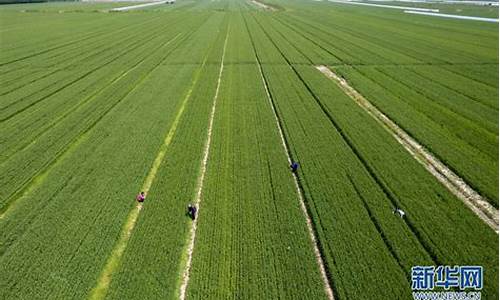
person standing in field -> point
(294, 166)
(192, 211)
(141, 197)
(399, 212)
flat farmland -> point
(208, 103)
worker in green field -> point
(141, 197)
(398, 212)
(294, 166)
(191, 210)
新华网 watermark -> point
(452, 282)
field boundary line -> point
(312, 236)
(310, 225)
(201, 179)
(454, 183)
(317, 253)
(100, 290)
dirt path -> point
(312, 236)
(481, 207)
(101, 289)
(201, 180)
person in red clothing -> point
(140, 198)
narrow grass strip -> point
(101, 289)
(310, 229)
(201, 180)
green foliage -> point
(87, 99)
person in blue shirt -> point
(192, 211)
(294, 166)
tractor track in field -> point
(311, 227)
(388, 194)
(113, 261)
(201, 180)
(447, 177)
(472, 199)
(39, 176)
(453, 182)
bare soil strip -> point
(201, 180)
(262, 5)
(319, 259)
(478, 204)
(100, 291)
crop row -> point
(371, 174)
(97, 177)
(252, 240)
(64, 133)
(460, 115)
(473, 157)
(153, 260)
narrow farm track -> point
(353, 149)
(481, 207)
(447, 177)
(101, 289)
(39, 176)
(300, 195)
(209, 103)
(201, 180)
(465, 138)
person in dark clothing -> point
(192, 211)
(294, 166)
